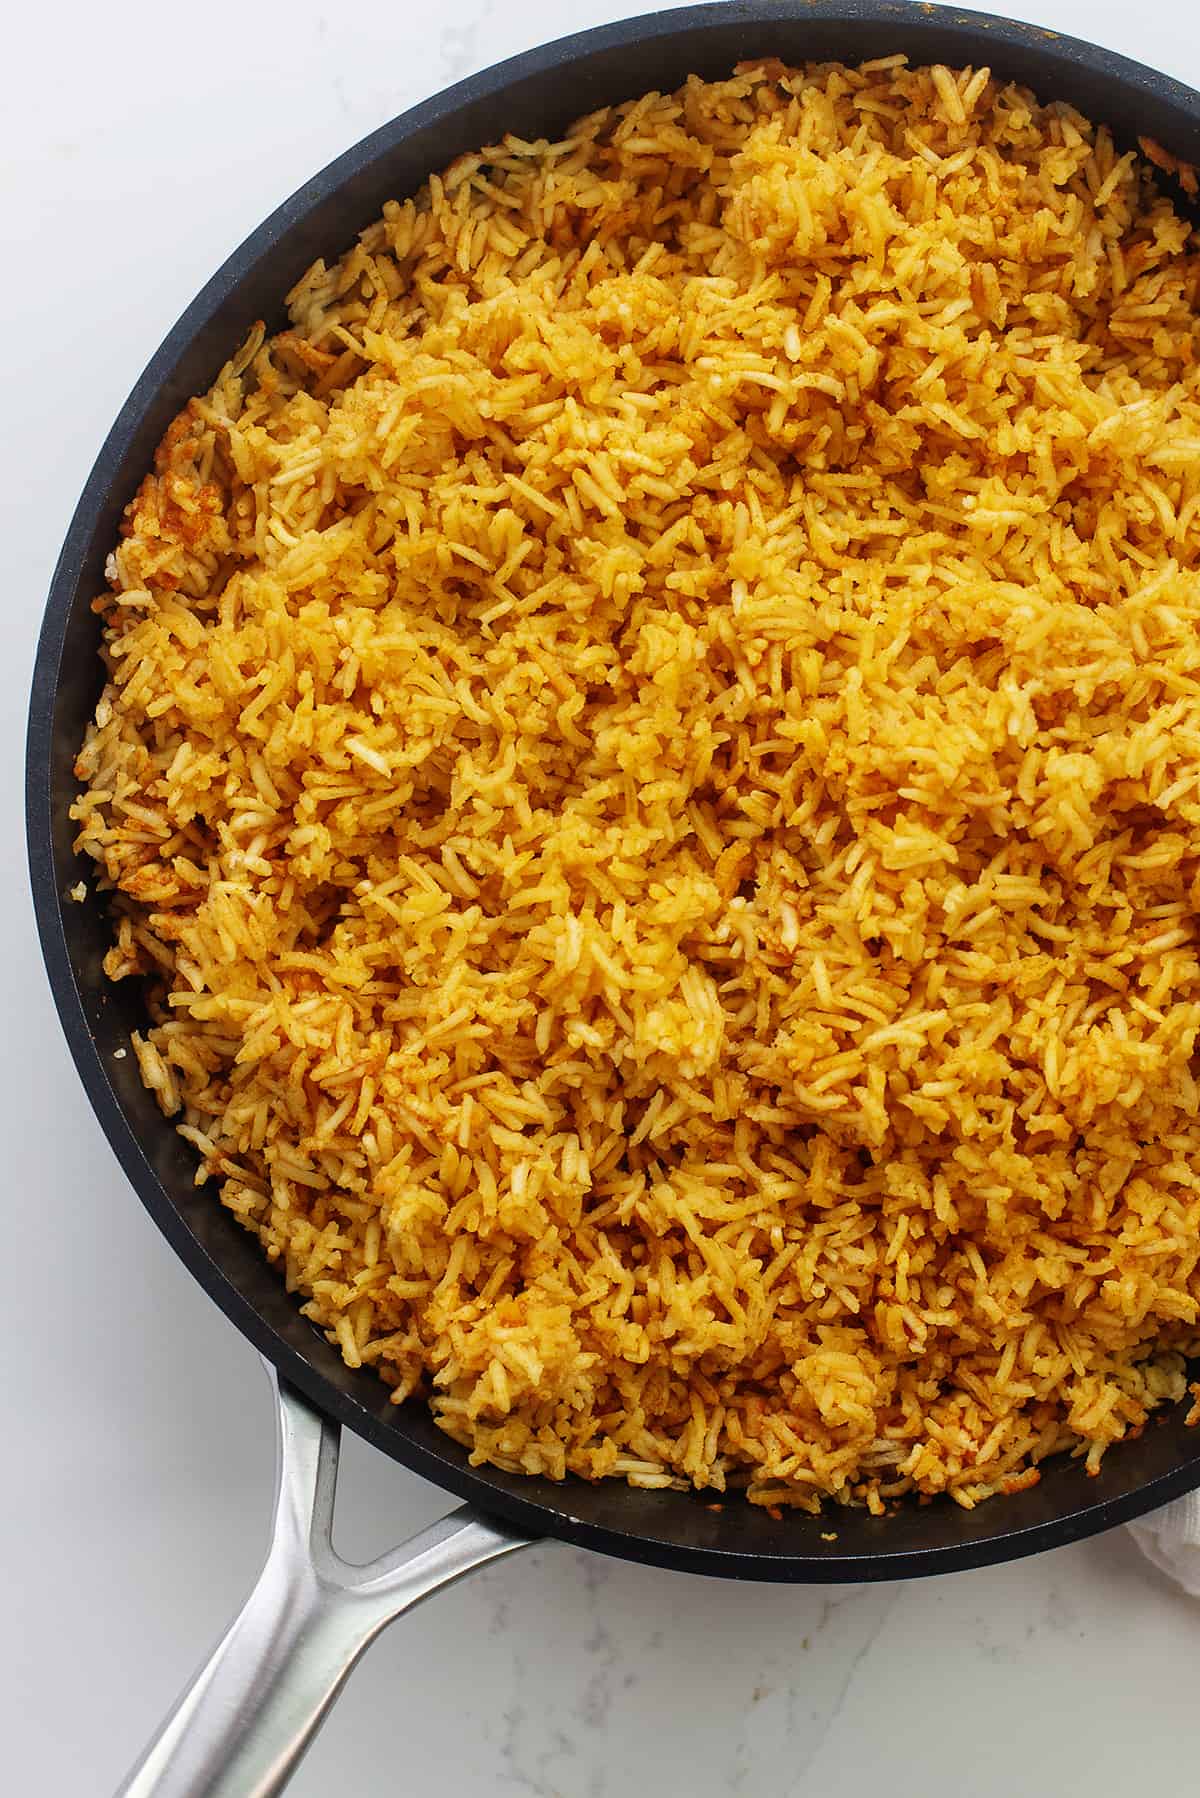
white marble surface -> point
(142, 142)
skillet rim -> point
(695, 1538)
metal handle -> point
(243, 1725)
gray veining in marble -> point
(141, 143)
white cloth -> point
(1171, 1539)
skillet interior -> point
(536, 94)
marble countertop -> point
(143, 143)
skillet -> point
(243, 1725)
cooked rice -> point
(651, 758)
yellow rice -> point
(651, 757)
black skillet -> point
(533, 95)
